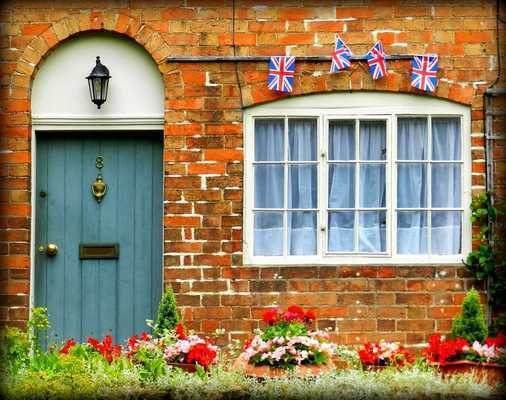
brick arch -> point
(69, 27)
(315, 78)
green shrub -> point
(167, 317)
(471, 324)
(14, 350)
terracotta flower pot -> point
(265, 371)
(493, 374)
(191, 368)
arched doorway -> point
(106, 275)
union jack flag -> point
(424, 72)
(340, 56)
(281, 73)
(377, 61)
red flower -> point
(499, 341)
(295, 310)
(201, 354)
(105, 348)
(294, 313)
(93, 342)
(369, 355)
(379, 354)
(180, 331)
(247, 344)
(443, 350)
(271, 316)
(65, 349)
(309, 316)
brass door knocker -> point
(99, 187)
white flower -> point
(485, 351)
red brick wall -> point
(204, 145)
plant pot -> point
(191, 368)
(493, 374)
(265, 371)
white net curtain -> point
(428, 201)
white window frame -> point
(356, 105)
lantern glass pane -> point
(90, 87)
(105, 85)
(97, 88)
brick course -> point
(203, 146)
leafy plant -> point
(483, 261)
(167, 317)
(288, 342)
(14, 350)
(470, 324)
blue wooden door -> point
(94, 297)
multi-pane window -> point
(357, 186)
(286, 185)
(387, 186)
(429, 186)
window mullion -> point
(392, 186)
(357, 187)
(429, 186)
(285, 203)
(322, 192)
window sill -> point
(359, 260)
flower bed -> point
(189, 351)
(287, 343)
(375, 356)
(485, 361)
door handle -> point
(51, 249)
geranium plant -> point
(288, 341)
(191, 349)
(384, 354)
(442, 350)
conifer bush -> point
(471, 324)
(167, 317)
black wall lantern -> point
(98, 81)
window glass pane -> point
(302, 140)
(411, 185)
(446, 139)
(301, 233)
(269, 186)
(269, 140)
(268, 234)
(372, 231)
(412, 139)
(372, 185)
(341, 231)
(412, 232)
(446, 230)
(446, 185)
(342, 185)
(373, 140)
(342, 140)
(302, 186)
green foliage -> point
(484, 262)
(167, 317)
(150, 362)
(285, 329)
(471, 324)
(14, 350)
(16, 345)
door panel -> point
(99, 296)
